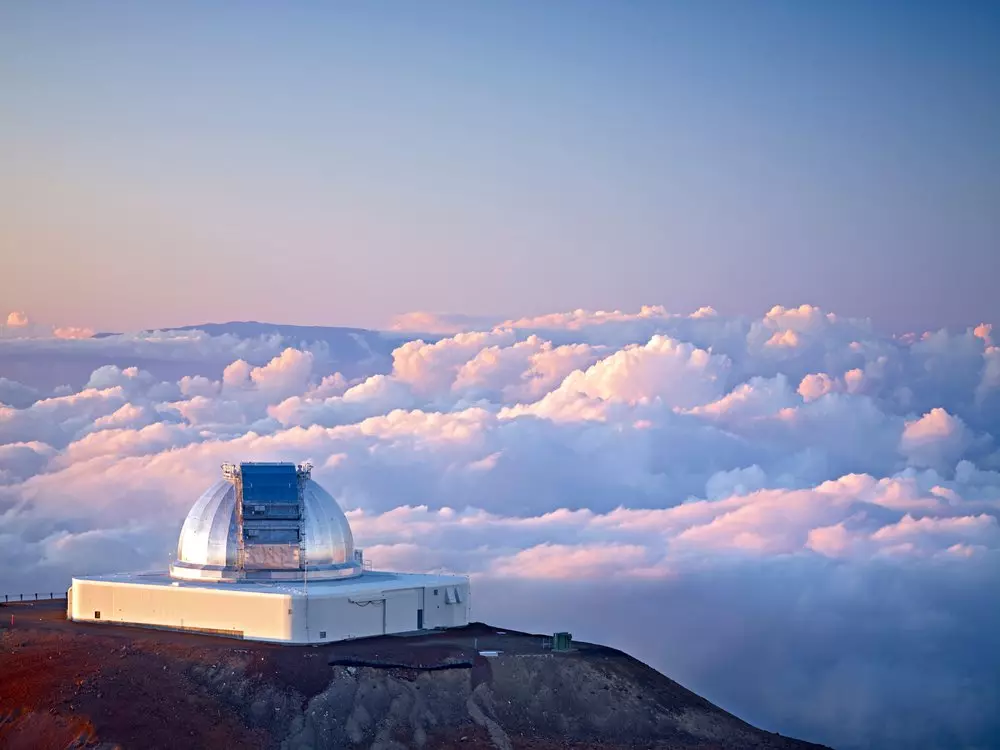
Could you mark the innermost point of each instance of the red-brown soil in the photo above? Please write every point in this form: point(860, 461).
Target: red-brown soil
point(65, 684)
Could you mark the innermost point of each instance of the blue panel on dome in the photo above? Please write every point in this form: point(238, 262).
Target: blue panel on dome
point(270, 494)
point(269, 483)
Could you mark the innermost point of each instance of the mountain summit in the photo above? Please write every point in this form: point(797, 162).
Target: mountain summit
point(67, 684)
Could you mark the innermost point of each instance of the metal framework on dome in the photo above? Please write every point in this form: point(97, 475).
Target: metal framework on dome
point(282, 524)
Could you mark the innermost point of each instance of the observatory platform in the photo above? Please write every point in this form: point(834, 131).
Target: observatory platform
point(266, 554)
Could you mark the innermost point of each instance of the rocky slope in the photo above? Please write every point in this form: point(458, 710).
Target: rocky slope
point(70, 685)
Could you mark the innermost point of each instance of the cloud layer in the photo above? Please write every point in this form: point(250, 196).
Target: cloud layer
point(797, 496)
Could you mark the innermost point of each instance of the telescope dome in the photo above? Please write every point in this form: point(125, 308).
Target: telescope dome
point(291, 529)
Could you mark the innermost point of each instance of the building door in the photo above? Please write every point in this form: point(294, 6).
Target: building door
point(399, 609)
point(420, 619)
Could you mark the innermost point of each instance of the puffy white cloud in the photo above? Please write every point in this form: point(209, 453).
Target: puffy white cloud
point(854, 380)
point(937, 439)
point(817, 384)
point(20, 325)
point(665, 371)
point(128, 416)
point(788, 339)
point(18, 461)
point(56, 420)
point(832, 541)
point(46, 362)
point(689, 466)
point(117, 442)
point(802, 319)
point(982, 528)
point(285, 375)
point(758, 397)
point(132, 382)
point(679, 374)
point(17, 319)
point(198, 385)
point(446, 323)
point(580, 319)
point(521, 372)
point(376, 395)
point(202, 410)
point(573, 562)
point(704, 328)
point(111, 376)
point(735, 482)
point(72, 332)
point(331, 385)
point(237, 374)
point(787, 328)
point(16, 394)
point(990, 380)
point(432, 368)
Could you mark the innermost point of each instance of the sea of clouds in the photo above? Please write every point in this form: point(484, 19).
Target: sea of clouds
point(794, 515)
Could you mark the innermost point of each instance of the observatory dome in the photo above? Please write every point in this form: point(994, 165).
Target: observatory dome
point(265, 522)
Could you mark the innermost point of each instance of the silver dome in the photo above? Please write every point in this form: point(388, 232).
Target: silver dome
point(209, 548)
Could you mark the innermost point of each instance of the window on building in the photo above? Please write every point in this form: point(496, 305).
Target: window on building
point(322, 634)
point(435, 592)
point(97, 614)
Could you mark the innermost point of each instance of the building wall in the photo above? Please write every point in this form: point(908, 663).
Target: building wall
point(325, 615)
point(320, 618)
point(442, 610)
point(251, 615)
point(381, 611)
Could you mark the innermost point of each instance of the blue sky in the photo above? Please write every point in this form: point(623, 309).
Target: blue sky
point(340, 163)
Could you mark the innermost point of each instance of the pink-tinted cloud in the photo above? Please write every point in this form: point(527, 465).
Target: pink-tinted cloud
point(787, 339)
point(567, 452)
point(572, 562)
point(935, 439)
point(432, 368)
point(72, 332)
point(815, 385)
point(446, 323)
point(18, 319)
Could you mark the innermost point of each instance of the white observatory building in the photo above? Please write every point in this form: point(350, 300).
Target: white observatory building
point(267, 554)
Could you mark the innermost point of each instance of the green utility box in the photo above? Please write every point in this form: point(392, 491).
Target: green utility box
point(562, 641)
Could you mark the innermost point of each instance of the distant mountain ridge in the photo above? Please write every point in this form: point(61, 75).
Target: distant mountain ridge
point(354, 352)
point(255, 329)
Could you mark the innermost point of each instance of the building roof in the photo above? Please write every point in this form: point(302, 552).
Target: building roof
point(369, 582)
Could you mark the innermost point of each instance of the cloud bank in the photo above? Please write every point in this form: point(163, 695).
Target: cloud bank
point(794, 515)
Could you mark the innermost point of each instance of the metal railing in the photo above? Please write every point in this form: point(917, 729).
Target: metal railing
point(32, 597)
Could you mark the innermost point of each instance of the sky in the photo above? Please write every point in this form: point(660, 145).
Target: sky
point(342, 163)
